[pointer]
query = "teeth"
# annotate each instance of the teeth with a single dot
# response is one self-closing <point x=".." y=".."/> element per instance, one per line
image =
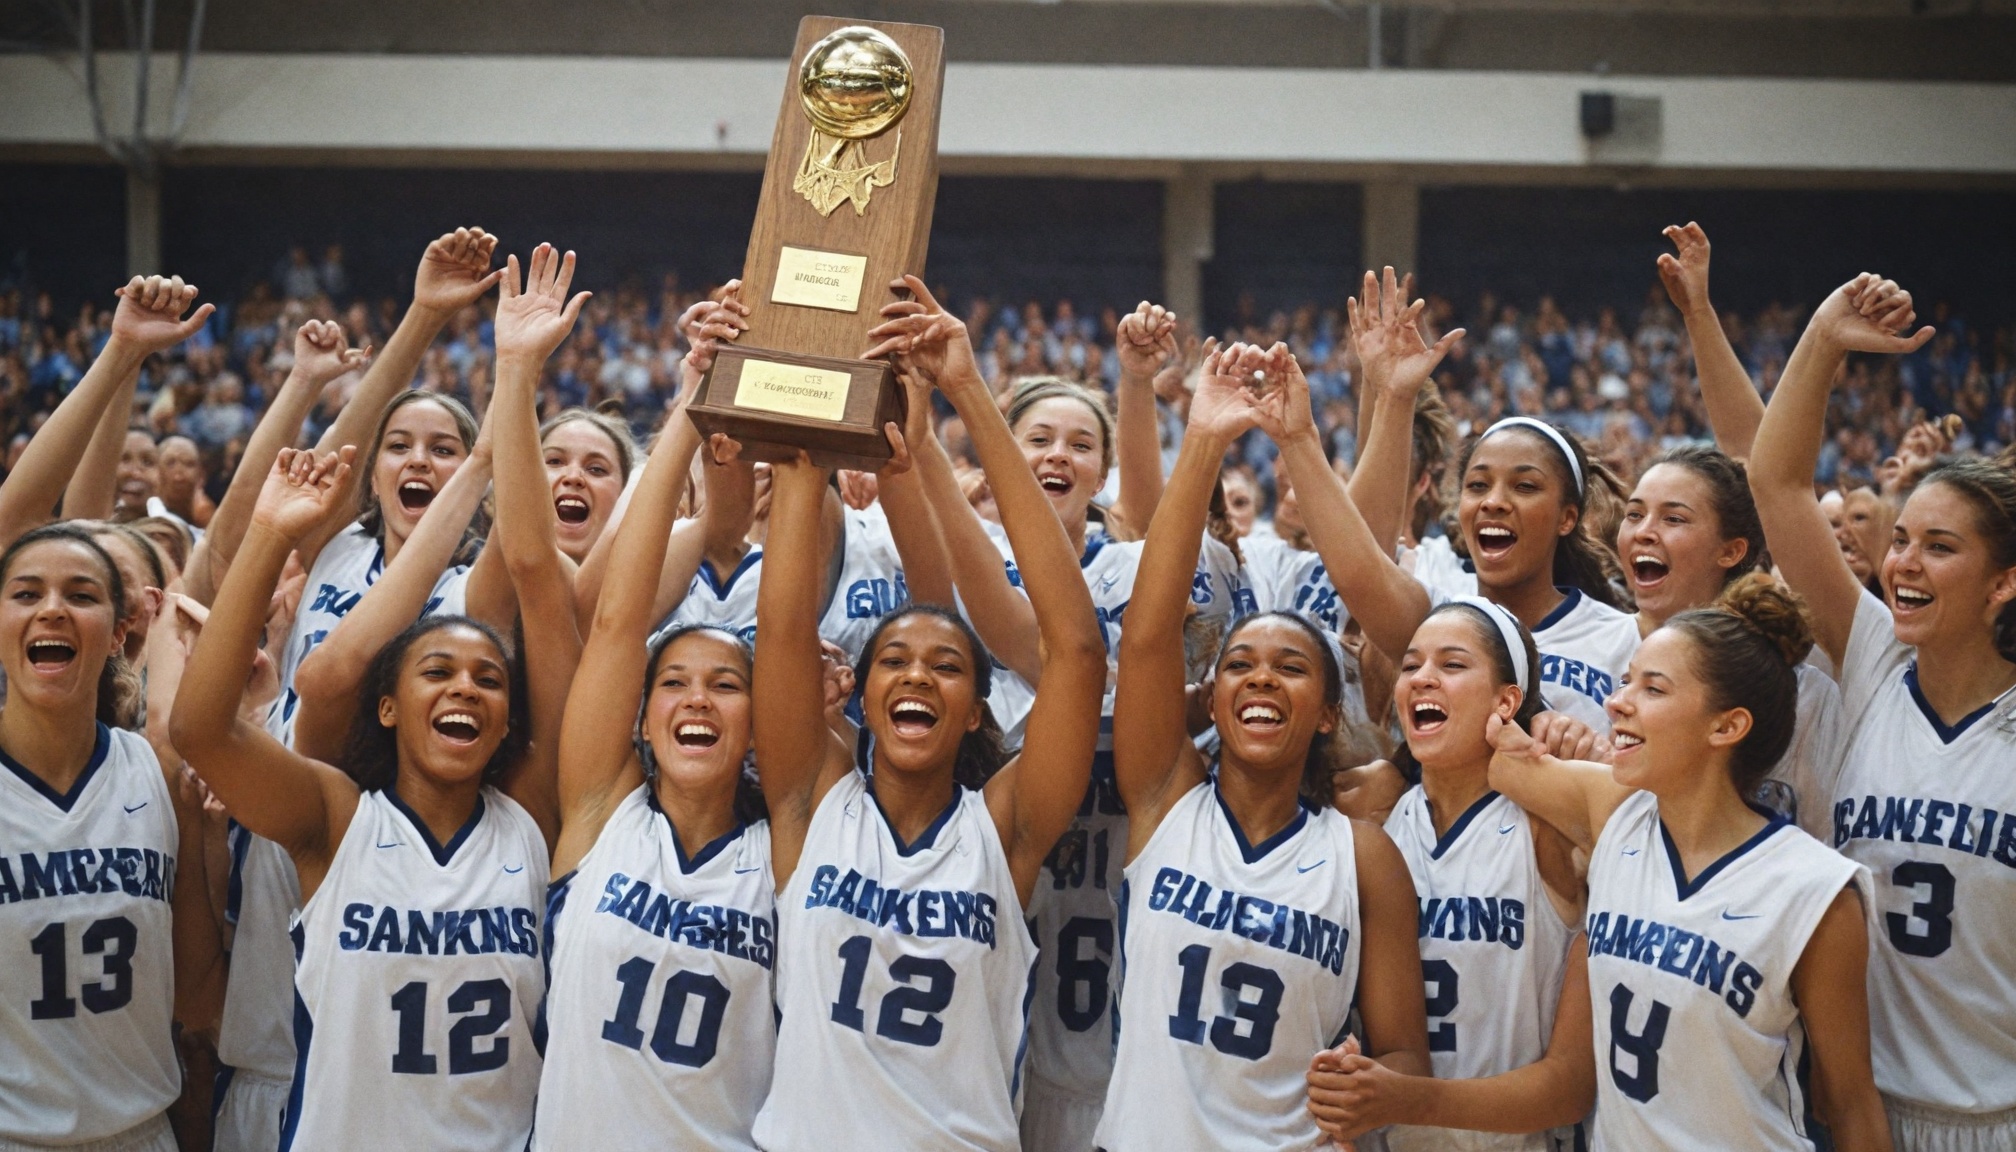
<point x="458" y="718"/>
<point x="1625" y="740"/>
<point x="572" y="502"/>
<point x="1642" y="558"/>
<point x="695" y="728"/>
<point x="414" y="485"/>
<point x="1424" y="706"/>
<point x="917" y="706"/>
<point x="1496" y="535"/>
<point x="1259" y="712"/>
<point x="1913" y="596"/>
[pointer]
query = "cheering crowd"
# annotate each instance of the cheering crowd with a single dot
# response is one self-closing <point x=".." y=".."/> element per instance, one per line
<point x="1394" y="768"/>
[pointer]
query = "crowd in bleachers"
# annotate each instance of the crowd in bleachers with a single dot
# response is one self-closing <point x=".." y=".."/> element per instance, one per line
<point x="1622" y="378"/>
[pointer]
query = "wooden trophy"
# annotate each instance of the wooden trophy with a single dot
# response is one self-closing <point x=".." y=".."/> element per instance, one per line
<point x="846" y="208"/>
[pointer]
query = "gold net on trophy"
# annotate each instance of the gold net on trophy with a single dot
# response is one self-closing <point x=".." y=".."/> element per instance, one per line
<point x="854" y="85"/>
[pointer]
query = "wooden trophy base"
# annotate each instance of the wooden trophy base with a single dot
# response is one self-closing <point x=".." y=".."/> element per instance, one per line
<point x="776" y="403"/>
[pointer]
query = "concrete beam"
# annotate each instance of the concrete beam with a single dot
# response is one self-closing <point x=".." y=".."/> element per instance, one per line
<point x="1392" y="211"/>
<point x="432" y="110"/>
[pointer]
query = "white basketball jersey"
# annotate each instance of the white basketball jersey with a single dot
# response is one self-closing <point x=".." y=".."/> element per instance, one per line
<point x="660" y="1023"/>
<point x="87" y="984"/>
<point x="903" y="984"/>
<point x="871" y="583"/>
<point x="345" y="569"/>
<point x="1800" y="786"/>
<point x="257" y="1032"/>
<point x="1240" y="963"/>
<point x="418" y="979"/>
<point x="1493" y="951"/>
<point x="1698" y="1040"/>
<point x="720" y="600"/>
<point x="1931" y="811"/>
<point x="1286" y="579"/>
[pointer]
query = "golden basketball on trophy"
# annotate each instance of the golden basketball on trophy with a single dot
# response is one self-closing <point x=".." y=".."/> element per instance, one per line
<point x="846" y="209"/>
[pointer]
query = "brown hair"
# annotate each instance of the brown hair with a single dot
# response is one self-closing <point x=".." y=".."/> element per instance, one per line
<point x="1033" y="390"/>
<point x="616" y="430"/>
<point x="1729" y="493"/>
<point x="1746" y="647"/>
<point x="1991" y="489"/>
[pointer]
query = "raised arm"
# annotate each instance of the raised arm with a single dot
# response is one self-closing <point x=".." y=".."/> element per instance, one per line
<point x="454" y="273"/>
<point x="1862" y="315"/>
<point x="530" y="325"/>
<point x="303" y="805"/>
<point x="1002" y="616"/>
<point x="913" y="525"/>
<point x="331" y="675"/>
<point x="797" y="756"/>
<point x="1575" y="797"/>
<point x="598" y="761"/>
<point x="1395" y="363"/>
<point x="321" y="355"/>
<point x="1146" y="343"/>
<point x="1154" y="762"/>
<point x="1387" y="602"/>
<point x="148" y="319"/>
<point x="704" y="325"/>
<point x="93" y="493"/>
<point x="1734" y="408"/>
<point x="1034" y="797"/>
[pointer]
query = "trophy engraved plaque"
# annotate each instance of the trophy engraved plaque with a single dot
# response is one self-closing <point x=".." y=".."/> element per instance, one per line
<point x="846" y="208"/>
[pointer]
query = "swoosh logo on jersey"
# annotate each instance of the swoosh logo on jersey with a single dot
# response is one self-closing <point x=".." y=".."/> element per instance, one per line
<point x="134" y="808"/>
<point x="746" y="871"/>
<point x="1507" y="829"/>
<point x="393" y="844"/>
<point x="510" y="871"/>
<point x="1311" y="867"/>
<point x="1106" y="585"/>
<point x="1752" y="916"/>
<point x="1630" y="851"/>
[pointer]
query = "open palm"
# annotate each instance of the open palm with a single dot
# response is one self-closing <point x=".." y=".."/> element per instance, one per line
<point x="302" y="490"/>
<point x="533" y="322"/>
<point x="1223" y="406"/>
<point x="455" y="271"/>
<point x="1386" y="334"/>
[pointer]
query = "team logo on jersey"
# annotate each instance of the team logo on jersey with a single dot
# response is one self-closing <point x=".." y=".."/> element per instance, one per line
<point x="141" y="872"/>
<point x="1688" y="955"/>
<point x="1490" y="919"/>
<point x="1292" y="930"/>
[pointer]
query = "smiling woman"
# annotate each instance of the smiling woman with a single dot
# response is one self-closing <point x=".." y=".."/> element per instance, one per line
<point x="422" y="859"/>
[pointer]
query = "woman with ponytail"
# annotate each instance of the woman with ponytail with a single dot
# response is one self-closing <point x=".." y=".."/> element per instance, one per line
<point x="1726" y="948"/>
<point x="1928" y="688"/>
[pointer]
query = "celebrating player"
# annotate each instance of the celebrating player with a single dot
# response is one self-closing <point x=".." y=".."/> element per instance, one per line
<point x="1928" y="687"/>
<point x="904" y="978"/>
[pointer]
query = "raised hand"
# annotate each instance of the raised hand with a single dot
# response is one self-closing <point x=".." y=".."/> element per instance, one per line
<point x="321" y="353"/>
<point x="532" y="323"/>
<point x="1146" y="340"/>
<point x="148" y="318"/>
<point x="1865" y="315"/>
<point x="1224" y="405"/>
<point x="1684" y="271"/>
<point x="1567" y="738"/>
<point x="455" y="271"/>
<point x="302" y="490"/>
<point x="1386" y="334"/>
<point x="1283" y="409"/>
<point x="925" y="339"/>
<point x="705" y="324"/>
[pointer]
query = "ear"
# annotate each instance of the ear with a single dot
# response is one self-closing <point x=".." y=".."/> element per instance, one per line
<point x="388" y="712"/>
<point x="2002" y="590"/>
<point x="1510" y="697"/>
<point x="978" y="713"/>
<point x="1730" y="728"/>
<point x="1570" y="517"/>
<point x="1332" y="717"/>
<point x="1732" y="553"/>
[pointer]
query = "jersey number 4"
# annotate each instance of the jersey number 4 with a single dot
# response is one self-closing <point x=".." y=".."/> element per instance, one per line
<point x="116" y="938"/>
<point x="1642" y="1083"/>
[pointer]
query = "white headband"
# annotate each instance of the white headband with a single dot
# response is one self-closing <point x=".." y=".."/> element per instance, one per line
<point x="1547" y="430"/>
<point x="1508" y="631"/>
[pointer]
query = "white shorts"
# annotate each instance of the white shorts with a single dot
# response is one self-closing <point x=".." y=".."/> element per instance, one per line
<point x="147" y="1136"/>
<point x="1059" y="1120"/>
<point x="248" y="1112"/>
<point x="1917" y="1128"/>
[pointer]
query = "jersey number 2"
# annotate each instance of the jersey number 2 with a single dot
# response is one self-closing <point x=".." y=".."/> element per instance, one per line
<point x="927" y="991"/>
